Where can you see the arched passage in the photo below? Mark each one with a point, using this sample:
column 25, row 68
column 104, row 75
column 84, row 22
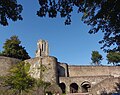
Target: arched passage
column 85, row 86
column 63, row 87
column 73, row 88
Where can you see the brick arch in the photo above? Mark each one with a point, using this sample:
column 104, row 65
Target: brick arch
column 74, row 88
column 85, row 86
column 63, row 87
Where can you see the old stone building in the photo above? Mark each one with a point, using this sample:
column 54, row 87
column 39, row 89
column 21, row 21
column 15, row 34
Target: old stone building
column 72, row 78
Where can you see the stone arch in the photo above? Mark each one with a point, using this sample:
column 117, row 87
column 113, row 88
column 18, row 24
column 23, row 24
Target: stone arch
column 85, row 86
column 63, row 87
column 73, row 88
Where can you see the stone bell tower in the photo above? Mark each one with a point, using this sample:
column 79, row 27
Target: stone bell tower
column 42, row 48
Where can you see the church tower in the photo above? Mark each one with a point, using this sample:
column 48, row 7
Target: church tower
column 42, row 48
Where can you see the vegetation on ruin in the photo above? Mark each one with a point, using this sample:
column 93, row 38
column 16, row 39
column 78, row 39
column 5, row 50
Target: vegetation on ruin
column 96, row 57
column 97, row 13
column 12, row 48
column 27, row 67
column 19, row 81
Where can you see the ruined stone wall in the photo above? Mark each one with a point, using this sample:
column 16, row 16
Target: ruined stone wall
column 51, row 73
column 5, row 64
column 109, row 85
column 93, row 70
column 93, row 80
column 79, row 80
column 44, row 68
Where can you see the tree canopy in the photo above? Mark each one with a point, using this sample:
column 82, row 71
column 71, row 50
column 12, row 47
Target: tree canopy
column 9, row 9
column 96, row 57
column 113, row 57
column 97, row 13
column 12, row 48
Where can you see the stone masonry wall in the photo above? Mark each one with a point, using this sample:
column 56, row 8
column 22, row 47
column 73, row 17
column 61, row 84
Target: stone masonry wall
column 5, row 64
column 44, row 68
column 93, row 80
column 93, row 70
column 109, row 85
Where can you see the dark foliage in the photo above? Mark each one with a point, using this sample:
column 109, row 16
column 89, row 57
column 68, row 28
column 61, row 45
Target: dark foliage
column 12, row 48
column 9, row 9
column 102, row 15
column 113, row 57
column 96, row 57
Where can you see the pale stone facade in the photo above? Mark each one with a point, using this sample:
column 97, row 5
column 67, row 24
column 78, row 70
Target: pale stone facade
column 42, row 48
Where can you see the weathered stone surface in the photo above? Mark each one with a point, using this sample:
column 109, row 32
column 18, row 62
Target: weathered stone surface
column 44, row 68
column 42, row 48
column 109, row 85
column 62, row 73
column 93, row 70
column 54, row 88
column 91, row 74
column 5, row 64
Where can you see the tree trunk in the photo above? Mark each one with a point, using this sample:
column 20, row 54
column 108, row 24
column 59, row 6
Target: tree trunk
column 21, row 92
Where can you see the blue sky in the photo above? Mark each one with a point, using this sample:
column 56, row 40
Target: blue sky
column 70, row 44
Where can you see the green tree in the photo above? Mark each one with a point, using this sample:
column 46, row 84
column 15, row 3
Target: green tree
column 0, row 53
column 96, row 57
column 12, row 48
column 19, row 81
column 113, row 57
column 9, row 9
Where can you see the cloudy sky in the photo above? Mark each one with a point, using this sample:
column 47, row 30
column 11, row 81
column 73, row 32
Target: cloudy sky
column 70, row 44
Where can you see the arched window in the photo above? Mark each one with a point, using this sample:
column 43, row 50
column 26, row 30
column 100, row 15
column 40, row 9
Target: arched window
column 85, row 86
column 63, row 87
column 73, row 88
